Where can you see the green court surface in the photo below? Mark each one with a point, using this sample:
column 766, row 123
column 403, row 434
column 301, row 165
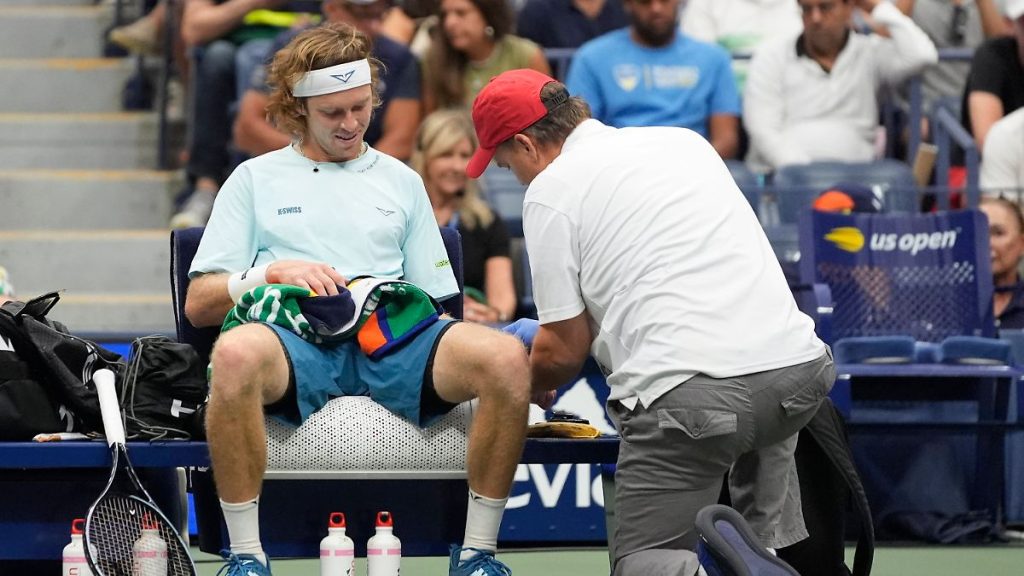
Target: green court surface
column 994, row 560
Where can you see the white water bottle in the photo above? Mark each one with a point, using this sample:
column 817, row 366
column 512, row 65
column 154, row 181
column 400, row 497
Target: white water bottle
column 384, row 550
column 74, row 553
column 149, row 554
column 337, row 551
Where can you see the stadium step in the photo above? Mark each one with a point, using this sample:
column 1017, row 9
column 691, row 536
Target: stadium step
column 85, row 199
column 113, row 280
column 83, row 141
column 63, row 84
column 53, row 31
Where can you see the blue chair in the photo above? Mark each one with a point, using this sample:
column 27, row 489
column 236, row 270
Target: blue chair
column 295, row 503
column 797, row 185
column 748, row 182
column 925, row 276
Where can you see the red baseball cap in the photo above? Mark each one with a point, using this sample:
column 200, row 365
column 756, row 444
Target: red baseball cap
column 507, row 105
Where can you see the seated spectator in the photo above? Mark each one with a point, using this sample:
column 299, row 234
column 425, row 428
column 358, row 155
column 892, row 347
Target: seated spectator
column 1002, row 166
column 473, row 44
column 444, row 145
column 410, row 23
column 740, row 26
column 952, row 24
column 145, row 35
column 814, row 97
column 651, row 74
column 995, row 86
column 569, row 23
column 1006, row 234
column 393, row 124
column 232, row 38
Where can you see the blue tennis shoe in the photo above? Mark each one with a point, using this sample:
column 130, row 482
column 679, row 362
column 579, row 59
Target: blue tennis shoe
column 483, row 563
column 242, row 565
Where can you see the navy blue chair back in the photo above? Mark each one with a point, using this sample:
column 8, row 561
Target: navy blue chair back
column 796, row 186
column 927, row 276
column 184, row 244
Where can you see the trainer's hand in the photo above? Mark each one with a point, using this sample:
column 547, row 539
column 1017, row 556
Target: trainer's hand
column 524, row 329
column 318, row 277
column 545, row 399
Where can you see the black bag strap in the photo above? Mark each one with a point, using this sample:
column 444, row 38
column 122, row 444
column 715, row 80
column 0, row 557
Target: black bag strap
column 829, row 431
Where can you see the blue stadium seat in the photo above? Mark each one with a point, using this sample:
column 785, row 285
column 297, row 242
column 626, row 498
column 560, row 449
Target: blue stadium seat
column 748, row 182
column 797, row 185
column 505, row 196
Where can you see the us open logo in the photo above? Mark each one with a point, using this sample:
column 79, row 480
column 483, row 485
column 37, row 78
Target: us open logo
column 851, row 239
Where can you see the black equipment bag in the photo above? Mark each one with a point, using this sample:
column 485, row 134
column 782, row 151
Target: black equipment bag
column 164, row 390
column 829, row 484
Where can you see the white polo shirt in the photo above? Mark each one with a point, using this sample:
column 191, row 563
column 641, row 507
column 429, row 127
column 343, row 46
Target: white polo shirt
column 645, row 230
column 1002, row 165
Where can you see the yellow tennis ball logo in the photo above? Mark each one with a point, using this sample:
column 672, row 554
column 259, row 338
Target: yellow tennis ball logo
column 846, row 238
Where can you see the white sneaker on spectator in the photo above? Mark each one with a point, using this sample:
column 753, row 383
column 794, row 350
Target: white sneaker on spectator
column 196, row 210
column 139, row 37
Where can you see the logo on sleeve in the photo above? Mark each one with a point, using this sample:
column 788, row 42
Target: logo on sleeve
column 384, row 211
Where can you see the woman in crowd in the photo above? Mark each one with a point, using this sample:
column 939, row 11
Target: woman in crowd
column 444, row 145
column 1006, row 237
column 471, row 45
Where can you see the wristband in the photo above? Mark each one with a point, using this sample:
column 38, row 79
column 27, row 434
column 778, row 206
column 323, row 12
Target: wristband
column 241, row 282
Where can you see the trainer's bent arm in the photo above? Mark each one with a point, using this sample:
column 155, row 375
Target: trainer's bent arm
column 559, row 350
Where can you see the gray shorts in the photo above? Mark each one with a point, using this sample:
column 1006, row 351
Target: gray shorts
column 675, row 453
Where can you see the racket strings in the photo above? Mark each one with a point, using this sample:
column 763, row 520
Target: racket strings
column 114, row 529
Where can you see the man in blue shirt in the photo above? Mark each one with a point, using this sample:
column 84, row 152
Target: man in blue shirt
column 569, row 23
column 650, row 74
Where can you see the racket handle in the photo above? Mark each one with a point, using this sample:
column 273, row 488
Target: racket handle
column 113, row 429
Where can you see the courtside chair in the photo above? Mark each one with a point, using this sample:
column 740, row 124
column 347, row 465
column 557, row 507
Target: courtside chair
column 927, row 278
column 352, row 456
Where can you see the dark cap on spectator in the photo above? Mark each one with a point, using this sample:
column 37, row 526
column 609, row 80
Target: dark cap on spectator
column 506, row 106
column 847, row 198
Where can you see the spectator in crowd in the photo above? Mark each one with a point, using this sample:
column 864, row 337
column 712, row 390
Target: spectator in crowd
column 392, row 126
column 651, row 74
column 234, row 37
column 740, row 26
column 444, row 145
column 472, row 44
column 952, row 24
column 349, row 211
column 995, row 85
column 1002, row 166
column 1006, row 236
column 410, row 23
column 569, row 23
column 814, row 97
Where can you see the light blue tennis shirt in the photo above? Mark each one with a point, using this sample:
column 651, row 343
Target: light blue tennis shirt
column 627, row 84
column 367, row 217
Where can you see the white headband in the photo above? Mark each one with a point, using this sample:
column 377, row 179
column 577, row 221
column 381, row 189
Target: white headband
column 333, row 79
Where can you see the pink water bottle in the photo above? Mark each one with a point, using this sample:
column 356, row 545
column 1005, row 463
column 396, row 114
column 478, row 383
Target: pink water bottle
column 384, row 550
column 337, row 551
column 74, row 553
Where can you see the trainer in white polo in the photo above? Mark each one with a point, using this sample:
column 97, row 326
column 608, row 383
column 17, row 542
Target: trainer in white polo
column 645, row 254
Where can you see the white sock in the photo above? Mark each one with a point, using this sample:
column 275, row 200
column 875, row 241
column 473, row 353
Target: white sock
column 243, row 521
column 483, row 518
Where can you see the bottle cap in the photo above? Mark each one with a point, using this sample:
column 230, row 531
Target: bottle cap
column 78, row 526
column 336, row 520
column 149, row 523
column 384, row 519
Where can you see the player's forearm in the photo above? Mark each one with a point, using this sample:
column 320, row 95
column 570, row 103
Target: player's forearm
column 208, row 300
column 551, row 362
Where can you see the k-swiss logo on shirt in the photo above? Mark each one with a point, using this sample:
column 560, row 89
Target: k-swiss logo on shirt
column 289, row 210
column 384, row 211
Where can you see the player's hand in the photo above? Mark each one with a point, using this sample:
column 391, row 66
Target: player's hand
column 525, row 329
column 545, row 399
column 317, row 277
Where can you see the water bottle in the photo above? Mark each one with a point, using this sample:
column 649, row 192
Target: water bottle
column 149, row 554
column 74, row 553
column 384, row 550
column 337, row 552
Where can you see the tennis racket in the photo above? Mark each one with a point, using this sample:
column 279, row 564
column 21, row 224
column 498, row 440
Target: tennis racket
column 125, row 533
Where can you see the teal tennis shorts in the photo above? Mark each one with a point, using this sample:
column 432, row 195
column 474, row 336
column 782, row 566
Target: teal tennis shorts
column 401, row 381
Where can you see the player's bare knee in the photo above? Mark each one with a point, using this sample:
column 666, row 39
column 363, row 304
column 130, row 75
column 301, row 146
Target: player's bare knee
column 245, row 355
column 507, row 371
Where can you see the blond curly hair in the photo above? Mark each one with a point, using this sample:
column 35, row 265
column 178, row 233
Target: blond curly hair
column 316, row 48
